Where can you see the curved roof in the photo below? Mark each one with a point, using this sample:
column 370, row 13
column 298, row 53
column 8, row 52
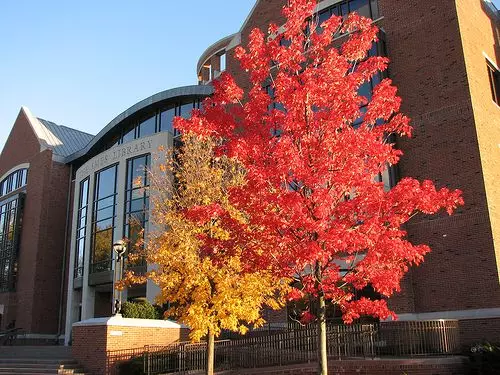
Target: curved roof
column 153, row 99
column 215, row 47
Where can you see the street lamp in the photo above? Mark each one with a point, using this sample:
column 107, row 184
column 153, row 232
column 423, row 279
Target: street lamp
column 120, row 248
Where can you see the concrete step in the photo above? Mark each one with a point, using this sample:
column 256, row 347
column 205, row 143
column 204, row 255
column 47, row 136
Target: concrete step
column 42, row 352
column 38, row 360
column 22, row 370
column 26, row 362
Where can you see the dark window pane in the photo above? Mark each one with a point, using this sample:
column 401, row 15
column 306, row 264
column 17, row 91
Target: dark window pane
column 344, row 9
column 25, row 177
column 186, row 109
column 103, row 203
column 105, row 213
column 166, row 118
column 103, row 242
column 139, row 171
column 104, row 224
column 84, row 193
column 360, row 6
column 102, row 231
column 129, row 134
column 365, row 90
column 374, row 8
column 147, row 127
column 137, row 205
column 106, row 182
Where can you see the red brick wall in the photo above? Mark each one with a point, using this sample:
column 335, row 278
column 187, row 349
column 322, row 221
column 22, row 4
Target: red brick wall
column 41, row 246
column 475, row 331
column 428, row 366
column 90, row 343
column 428, row 66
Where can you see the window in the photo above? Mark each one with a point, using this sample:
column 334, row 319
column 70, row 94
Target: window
column 136, row 200
column 223, row 61
column 147, row 127
column 103, row 219
column 10, row 213
column 81, row 227
column 129, row 134
column 14, row 181
column 166, row 119
column 494, row 76
column 365, row 8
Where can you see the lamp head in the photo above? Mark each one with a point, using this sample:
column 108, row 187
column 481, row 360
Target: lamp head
column 120, row 247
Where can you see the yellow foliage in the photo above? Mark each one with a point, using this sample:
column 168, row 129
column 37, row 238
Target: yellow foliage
column 205, row 295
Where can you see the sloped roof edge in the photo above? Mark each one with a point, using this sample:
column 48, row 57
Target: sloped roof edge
column 202, row 90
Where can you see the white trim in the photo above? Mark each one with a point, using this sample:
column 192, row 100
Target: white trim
column 236, row 41
column 490, row 313
column 128, row 322
column 13, row 169
column 490, row 60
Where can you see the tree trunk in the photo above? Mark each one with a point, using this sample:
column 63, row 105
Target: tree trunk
column 322, row 358
column 210, row 353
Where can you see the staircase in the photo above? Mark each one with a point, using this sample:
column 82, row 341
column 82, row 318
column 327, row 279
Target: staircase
column 38, row 360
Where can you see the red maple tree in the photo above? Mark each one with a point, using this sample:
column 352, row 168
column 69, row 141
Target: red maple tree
column 312, row 147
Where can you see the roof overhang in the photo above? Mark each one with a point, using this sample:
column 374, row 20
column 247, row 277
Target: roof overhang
column 194, row 90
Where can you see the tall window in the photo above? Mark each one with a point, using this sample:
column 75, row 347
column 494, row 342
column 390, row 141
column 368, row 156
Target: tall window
column 81, row 227
column 365, row 8
column 9, row 229
column 14, row 181
column 494, row 76
column 136, row 199
column 183, row 109
column 103, row 219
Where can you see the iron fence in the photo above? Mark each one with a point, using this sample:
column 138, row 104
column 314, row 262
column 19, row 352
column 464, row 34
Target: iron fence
column 299, row 345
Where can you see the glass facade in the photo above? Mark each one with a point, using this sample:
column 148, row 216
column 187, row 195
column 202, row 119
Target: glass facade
column 158, row 121
column 103, row 219
column 136, row 201
column 14, row 181
column 81, row 227
column 365, row 8
column 10, row 213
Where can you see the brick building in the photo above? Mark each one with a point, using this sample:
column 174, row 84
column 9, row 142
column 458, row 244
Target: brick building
column 35, row 195
column 444, row 60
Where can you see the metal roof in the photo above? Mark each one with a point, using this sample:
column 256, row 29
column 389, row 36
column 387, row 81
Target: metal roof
column 63, row 141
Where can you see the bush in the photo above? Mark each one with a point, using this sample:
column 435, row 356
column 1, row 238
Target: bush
column 133, row 366
column 140, row 310
column 485, row 358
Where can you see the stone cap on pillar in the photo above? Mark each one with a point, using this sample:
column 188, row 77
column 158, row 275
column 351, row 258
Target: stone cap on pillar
column 129, row 322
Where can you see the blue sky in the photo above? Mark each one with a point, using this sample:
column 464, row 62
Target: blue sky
column 81, row 63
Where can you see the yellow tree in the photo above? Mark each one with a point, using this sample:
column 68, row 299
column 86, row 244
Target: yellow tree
column 197, row 246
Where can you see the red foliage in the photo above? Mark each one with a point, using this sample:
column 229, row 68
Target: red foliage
column 310, row 172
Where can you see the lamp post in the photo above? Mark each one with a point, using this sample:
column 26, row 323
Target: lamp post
column 119, row 247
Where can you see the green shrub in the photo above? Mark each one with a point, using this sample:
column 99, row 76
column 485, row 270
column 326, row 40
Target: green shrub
column 133, row 366
column 140, row 310
column 485, row 358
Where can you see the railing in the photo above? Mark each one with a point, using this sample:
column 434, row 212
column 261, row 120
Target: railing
column 9, row 336
column 293, row 346
column 116, row 358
